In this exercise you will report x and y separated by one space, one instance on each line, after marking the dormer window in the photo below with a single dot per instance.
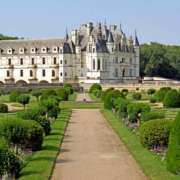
10 51
44 50
33 50
54 49
21 51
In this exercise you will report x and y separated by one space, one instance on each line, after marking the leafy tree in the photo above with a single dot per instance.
36 93
14 96
24 99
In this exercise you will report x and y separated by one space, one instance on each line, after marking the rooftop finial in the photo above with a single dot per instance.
136 41
67 36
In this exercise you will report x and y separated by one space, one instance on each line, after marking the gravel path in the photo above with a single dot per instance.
92 151
83 96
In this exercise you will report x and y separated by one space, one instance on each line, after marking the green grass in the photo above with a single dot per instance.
80 105
94 98
151 164
41 163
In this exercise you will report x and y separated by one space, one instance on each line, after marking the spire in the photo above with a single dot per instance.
120 28
67 36
110 38
99 31
136 41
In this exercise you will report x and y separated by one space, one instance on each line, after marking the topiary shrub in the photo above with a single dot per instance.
105 93
62 94
137 96
152 115
95 87
172 99
135 110
23 99
47 93
155 133
173 153
3 108
125 91
152 99
69 88
121 106
36 93
160 94
151 91
14 96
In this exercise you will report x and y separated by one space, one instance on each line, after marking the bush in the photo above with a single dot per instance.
14 96
160 94
105 93
47 93
152 99
152 115
10 163
23 99
125 91
137 96
36 93
151 91
62 94
95 87
135 110
173 153
172 99
121 106
69 89
3 108
155 133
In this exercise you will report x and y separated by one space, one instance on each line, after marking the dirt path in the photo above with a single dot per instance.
92 151
82 96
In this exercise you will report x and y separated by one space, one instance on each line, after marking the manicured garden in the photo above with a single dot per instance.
31 135
148 123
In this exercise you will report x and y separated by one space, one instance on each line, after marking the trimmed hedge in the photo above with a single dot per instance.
3 108
173 153
152 115
151 91
172 99
62 94
160 94
95 87
155 133
137 96
135 110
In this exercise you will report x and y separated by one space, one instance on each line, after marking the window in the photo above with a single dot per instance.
9 61
55 60
99 64
61 74
32 61
94 50
53 73
130 60
43 73
123 60
94 64
31 73
123 72
65 61
43 60
61 62
33 50
21 61
21 73
130 72
8 73
65 73
116 72
116 60
90 48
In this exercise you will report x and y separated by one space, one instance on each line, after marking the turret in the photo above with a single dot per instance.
110 42
137 53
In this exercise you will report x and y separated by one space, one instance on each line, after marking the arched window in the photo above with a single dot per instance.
53 73
61 74
94 64
21 73
43 73
55 60
99 64
123 72
9 61
116 72
8 73
31 73
32 61
43 60
21 61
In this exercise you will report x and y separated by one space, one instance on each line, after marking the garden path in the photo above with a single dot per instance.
91 150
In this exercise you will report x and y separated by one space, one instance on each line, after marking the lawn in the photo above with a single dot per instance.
151 164
41 163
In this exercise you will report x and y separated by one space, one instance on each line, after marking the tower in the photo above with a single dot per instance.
110 42
137 54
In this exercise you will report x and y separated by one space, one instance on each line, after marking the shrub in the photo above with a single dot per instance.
160 94
36 93
172 99
47 93
69 89
152 99
151 91
95 87
155 133
152 115
14 96
121 106
125 91
62 94
3 108
137 96
105 93
23 99
135 110
97 93
173 153
10 163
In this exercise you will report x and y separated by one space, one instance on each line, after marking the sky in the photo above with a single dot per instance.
154 20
